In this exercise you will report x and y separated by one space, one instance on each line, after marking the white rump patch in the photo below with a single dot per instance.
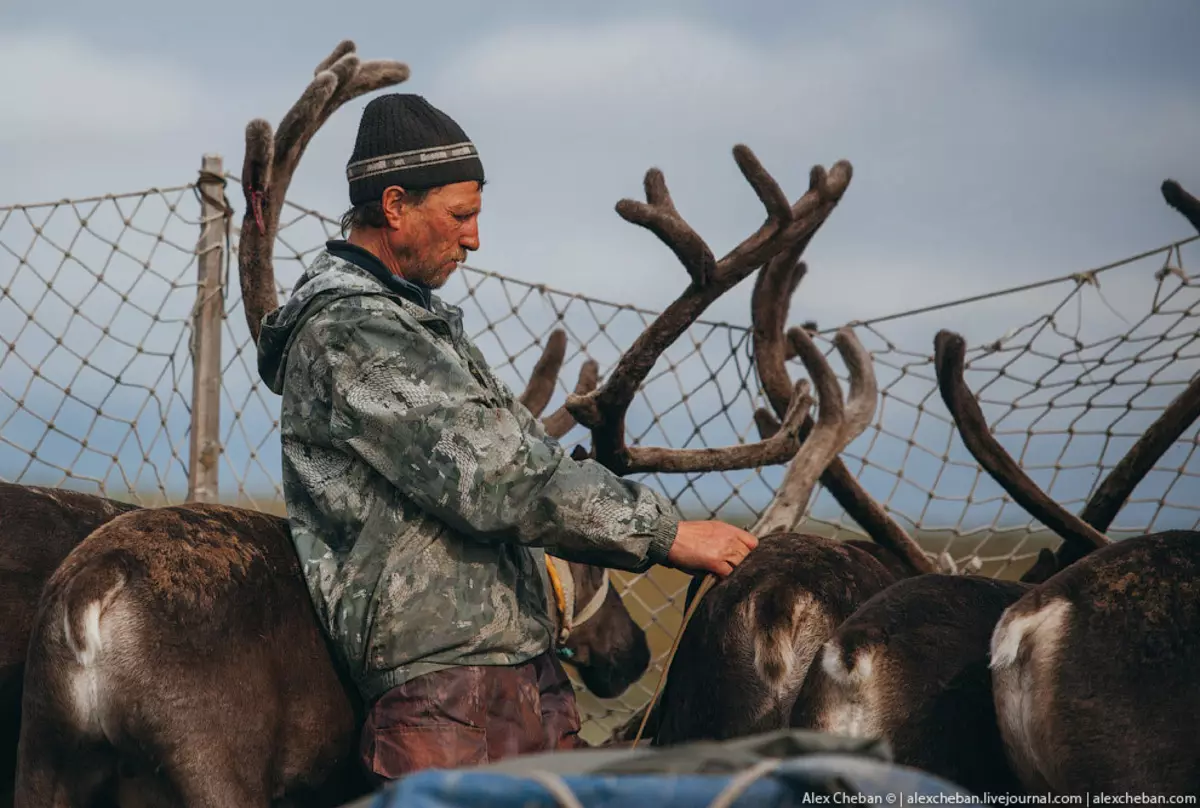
789 647
86 680
1023 684
850 701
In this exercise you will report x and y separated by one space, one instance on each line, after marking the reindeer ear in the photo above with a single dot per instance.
1043 568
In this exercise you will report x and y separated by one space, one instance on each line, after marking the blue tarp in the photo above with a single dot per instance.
835 778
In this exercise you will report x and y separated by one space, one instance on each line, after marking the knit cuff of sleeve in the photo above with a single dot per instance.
662 539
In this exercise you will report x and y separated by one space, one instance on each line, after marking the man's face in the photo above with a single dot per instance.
432 238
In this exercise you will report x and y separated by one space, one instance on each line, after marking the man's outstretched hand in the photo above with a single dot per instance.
709 546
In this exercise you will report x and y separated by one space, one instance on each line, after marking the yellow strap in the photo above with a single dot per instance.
560 598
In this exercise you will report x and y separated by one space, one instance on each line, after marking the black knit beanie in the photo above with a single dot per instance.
404 140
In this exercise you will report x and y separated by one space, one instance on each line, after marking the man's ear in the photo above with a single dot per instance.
393 205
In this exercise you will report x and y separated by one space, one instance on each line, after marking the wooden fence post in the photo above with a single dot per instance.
208 317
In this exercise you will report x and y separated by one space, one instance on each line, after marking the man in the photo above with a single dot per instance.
420 492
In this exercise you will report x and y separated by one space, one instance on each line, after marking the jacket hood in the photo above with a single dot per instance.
329 278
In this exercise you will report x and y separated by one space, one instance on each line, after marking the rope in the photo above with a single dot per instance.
740 784
558 788
1086 276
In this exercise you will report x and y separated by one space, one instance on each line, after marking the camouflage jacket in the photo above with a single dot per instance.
421 494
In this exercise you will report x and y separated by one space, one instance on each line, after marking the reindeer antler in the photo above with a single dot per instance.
271 161
838 424
545 373
1182 201
949 360
543 379
1110 496
786 229
773 290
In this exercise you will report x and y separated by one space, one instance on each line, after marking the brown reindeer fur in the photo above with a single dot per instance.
38 527
911 666
135 628
755 633
609 651
1095 672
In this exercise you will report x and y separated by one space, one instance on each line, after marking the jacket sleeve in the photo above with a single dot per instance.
408 408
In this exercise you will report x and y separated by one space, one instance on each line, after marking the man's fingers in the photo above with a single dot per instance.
738 552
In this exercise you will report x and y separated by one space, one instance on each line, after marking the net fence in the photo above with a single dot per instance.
97 322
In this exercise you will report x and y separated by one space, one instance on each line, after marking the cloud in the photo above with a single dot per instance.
56 87
968 177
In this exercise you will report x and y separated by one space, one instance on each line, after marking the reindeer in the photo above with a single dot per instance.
911 664
1094 670
38 527
145 625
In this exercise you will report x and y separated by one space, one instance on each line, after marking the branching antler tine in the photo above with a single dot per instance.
773 290
828 437
777 449
864 387
342 48
560 422
658 215
373 75
657 194
808 214
949 359
301 118
779 210
545 373
603 412
830 404
1104 505
1182 201
766 423
271 161
365 77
